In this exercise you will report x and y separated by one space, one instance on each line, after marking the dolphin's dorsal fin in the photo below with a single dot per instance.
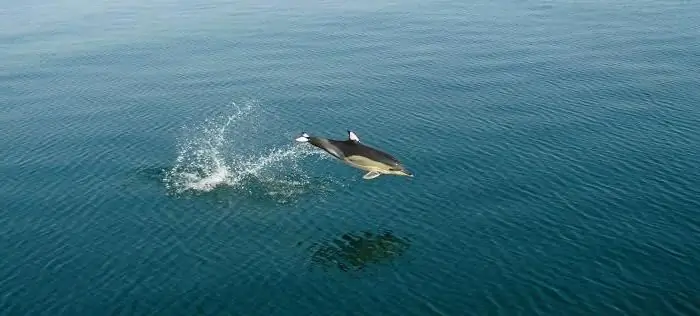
353 137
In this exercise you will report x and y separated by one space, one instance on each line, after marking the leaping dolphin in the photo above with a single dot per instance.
358 155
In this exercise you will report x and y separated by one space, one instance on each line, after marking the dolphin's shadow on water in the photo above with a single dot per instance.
353 252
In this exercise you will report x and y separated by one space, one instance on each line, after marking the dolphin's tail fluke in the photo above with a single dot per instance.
303 138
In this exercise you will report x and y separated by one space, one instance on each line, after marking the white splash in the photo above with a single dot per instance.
207 160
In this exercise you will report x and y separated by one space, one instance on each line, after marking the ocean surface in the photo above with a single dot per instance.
149 167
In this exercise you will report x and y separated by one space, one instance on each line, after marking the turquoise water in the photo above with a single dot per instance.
149 166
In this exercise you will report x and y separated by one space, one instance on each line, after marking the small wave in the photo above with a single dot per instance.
210 158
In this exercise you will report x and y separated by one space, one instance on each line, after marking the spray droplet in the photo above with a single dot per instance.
210 158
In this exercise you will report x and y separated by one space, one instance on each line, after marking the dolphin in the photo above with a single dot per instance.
351 151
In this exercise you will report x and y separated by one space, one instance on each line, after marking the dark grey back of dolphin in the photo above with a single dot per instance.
327 145
352 148
346 148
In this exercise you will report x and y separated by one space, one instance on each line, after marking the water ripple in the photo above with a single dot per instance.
553 145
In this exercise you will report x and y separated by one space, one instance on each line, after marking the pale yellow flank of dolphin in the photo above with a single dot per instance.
374 168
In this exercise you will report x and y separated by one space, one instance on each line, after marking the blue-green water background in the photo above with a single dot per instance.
555 146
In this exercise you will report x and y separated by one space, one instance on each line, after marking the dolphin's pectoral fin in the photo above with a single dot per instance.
371 175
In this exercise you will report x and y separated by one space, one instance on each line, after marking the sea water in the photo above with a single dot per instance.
149 166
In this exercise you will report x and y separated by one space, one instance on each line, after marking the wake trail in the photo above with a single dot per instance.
207 159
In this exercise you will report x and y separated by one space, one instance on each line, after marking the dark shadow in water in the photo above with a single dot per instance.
153 173
144 178
356 251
